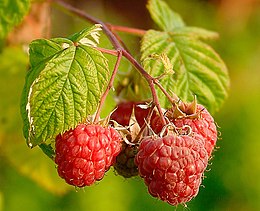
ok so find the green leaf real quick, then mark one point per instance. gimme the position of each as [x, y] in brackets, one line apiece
[11, 14]
[62, 88]
[41, 49]
[88, 36]
[168, 67]
[163, 16]
[196, 32]
[132, 87]
[198, 68]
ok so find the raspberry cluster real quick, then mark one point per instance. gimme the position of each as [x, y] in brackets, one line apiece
[171, 159]
[172, 166]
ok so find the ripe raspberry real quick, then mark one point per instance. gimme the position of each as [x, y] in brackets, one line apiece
[172, 167]
[123, 112]
[85, 153]
[203, 125]
[156, 124]
[125, 165]
[142, 113]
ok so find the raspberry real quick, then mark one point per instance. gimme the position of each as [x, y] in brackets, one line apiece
[156, 123]
[141, 114]
[172, 167]
[84, 154]
[203, 125]
[125, 165]
[122, 113]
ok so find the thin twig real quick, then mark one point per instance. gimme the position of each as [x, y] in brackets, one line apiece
[121, 41]
[109, 86]
[107, 51]
[150, 81]
[128, 30]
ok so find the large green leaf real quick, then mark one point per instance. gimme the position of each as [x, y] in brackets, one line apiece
[163, 16]
[63, 86]
[11, 14]
[198, 68]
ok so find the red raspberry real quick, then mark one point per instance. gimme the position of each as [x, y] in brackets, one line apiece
[122, 113]
[141, 114]
[172, 167]
[156, 123]
[85, 153]
[203, 125]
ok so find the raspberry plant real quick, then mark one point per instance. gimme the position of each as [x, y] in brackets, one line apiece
[69, 80]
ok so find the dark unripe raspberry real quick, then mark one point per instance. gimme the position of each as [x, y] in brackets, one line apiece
[125, 165]
[172, 167]
[84, 154]
[203, 125]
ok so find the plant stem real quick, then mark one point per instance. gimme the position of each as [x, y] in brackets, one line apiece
[118, 46]
[109, 86]
[129, 30]
[107, 51]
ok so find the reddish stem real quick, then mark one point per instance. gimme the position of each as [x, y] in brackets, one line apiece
[108, 51]
[109, 86]
[129, 30]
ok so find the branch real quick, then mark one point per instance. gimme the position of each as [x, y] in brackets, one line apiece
[107, 51]
[129, 30]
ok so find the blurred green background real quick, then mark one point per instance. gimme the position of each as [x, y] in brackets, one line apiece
[28, 179]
